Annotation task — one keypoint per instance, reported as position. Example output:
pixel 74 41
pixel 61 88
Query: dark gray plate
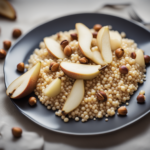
pixel 25 46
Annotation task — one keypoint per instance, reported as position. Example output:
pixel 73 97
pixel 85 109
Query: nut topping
pixel 101 96
pixel 67 50
pixel 54 66
pixel 16 131
pixel 147 59
pixel 16 33
pixel 140 98
pixel 97 27
pixel 122 110
pixel 74 36
pixel 7 44
pixel 83 60
pixel 64 43
pixel 2 53
pixel 133 55
pixel 94 35
pixel 119 52
pixel 32 101
pixel 20 67
pixel 123 69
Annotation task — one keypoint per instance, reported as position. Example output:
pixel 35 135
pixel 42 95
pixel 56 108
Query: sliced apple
pixel 115 40
pixel 75 97
pixel 25 84
pixel 7 10
pixel 54 88
pixel 140 58
pixel 54 48
pixel 85 38
pixel 80 71
pixel 103 41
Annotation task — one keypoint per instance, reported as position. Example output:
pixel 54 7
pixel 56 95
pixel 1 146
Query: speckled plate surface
pixel 24 47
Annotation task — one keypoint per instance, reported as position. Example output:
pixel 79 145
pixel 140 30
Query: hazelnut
pixel 2 53
pixel 16 33
pixel 122 110
pixel 32 101
pixel 140 98
pixel 7 44
pixel 97 27
pixel 20 67
pixel 133 55
pixel 67 50
pixel 119 52
pixel 94 35
pixel 147 59
pixel 83 60
pixel 101 96
pixel 74 36
pixel 64 43
pixel 123 69
pixel 54 66
pixel 16 131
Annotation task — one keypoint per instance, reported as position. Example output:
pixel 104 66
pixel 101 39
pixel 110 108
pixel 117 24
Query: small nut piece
pixel 147 59
pixel 122 110
pixel 83 60
pixel 101 96
pixel 74 36
pixel 54 66
pixel 97 27
pixel 67 50
pixel 140 98
pixel 94 35
pixel 119 52
pixel 16 33
pixel 133 55
pixel 32 101
pixel 20 67
pixel 64 43
pixel 2 53
pixel 123 69
pixel 16 131
pixel 7 44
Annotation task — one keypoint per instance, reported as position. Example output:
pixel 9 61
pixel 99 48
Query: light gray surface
pixel 32 13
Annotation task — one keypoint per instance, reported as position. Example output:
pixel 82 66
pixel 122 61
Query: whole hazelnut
pixel 74 36
pixel 123 69
pixel 119 52
pixel 140 98
pixel 16 33
pixel 101 96
pixel 7 44
pixel 147 59
pixel 94 35
pixel 83 60
pixel 2 53
pixel 53 66
pixel 122 110
pixel 20 67
pixel 32 101
pixel 97 27
pixel 133 55
pixel 16 131
pixel 67 50
pixel 64 43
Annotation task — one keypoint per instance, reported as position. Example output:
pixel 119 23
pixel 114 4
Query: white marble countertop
pixel 31 13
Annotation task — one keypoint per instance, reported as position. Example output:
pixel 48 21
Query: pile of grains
pixel 118 87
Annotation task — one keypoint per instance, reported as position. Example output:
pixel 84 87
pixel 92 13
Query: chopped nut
pixel 16 33
pixel 101 96
pixel 133 55
pixel 16 131
pixel 147 59
pixel 119 52
pixel 97 27
pixel 2 53
pixel 142 92
pixel 94 35
pixel 123 69
pixel 122 110
pixel 20 67
pixel 32 101
pixel 7 44
pixel 64 43
pixel 67 50
pixel 140 98
pixel 74 36
pixel 54 66
pixel 83 60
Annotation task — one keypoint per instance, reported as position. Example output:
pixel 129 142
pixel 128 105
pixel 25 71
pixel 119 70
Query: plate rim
pixel 68 132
